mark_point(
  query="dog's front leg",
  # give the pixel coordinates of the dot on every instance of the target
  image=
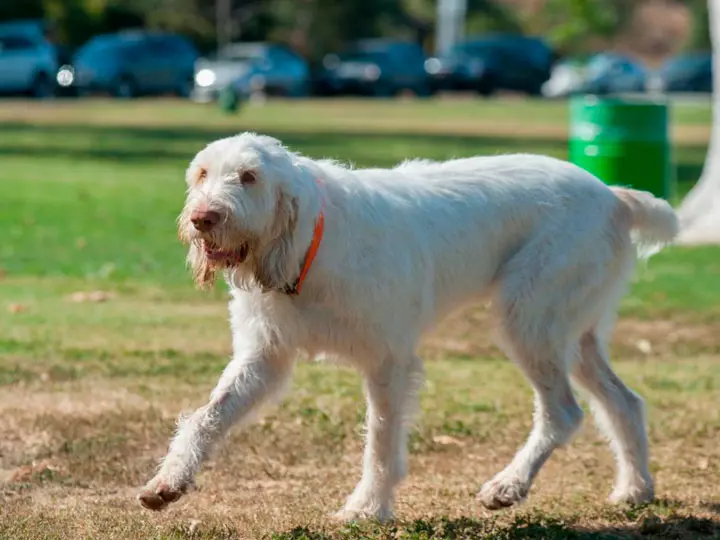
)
(246, 383)
(391, 392)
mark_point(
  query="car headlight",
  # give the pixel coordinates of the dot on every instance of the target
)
(205, 77)
(65, 76)
(433, 66)
(372, 72)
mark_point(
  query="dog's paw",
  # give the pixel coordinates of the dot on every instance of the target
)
(381, 515)
(502, 492)
(639, 494)
(158, 494)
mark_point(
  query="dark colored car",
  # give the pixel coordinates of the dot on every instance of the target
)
(130, 64)
(28, 59)
(375, 67)
(274, 68)
(611, 73)
(687, 73)
(492, 63)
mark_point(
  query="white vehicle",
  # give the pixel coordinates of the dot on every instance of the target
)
(28, 61)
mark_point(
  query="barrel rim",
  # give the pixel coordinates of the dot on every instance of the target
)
(592, 100)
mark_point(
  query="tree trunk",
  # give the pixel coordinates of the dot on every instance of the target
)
(700, 211)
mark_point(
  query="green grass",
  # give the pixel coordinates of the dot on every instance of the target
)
(89, 390)
(97, 201)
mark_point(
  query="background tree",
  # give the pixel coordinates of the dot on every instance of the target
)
(700, 211)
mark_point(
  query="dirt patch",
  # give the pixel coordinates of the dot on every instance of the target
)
(469, 332)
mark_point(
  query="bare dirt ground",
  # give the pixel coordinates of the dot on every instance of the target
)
(73, 451)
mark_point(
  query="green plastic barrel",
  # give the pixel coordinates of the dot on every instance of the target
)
(228, 100)
(623, 142)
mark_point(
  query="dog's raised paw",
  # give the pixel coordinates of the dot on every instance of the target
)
(158, 497)
(502, 492)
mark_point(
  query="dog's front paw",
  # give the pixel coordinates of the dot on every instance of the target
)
(381, 515)
(502, 492)
(639, 494)
(159, 493)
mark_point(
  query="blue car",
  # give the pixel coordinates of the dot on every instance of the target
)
(130, 64)
(271, 68)
(375, 67)
(612, 73)
(686, 73)
(494, 62)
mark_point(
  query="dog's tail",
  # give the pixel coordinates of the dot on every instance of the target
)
(654, 223)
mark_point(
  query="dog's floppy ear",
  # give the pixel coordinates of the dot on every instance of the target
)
(276, 264)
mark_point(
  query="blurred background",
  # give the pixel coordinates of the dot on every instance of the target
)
(379, 48)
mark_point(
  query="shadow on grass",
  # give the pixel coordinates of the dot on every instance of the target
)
(180, 143)
(646, 526)
(142, 144)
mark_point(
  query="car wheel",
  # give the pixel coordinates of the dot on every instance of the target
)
(486, 88)
(42, 86)
(185, 88)
(424, 90)
(124, 88)
(384, 89)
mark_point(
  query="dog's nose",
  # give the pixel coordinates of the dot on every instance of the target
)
(204, 220)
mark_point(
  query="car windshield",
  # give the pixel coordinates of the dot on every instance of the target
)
(98, 50)
(240, 53)
(600, 64)
(361, 56)
(469, 48)
(686, 63)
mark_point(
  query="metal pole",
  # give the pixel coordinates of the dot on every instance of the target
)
(223, 22)
(450, 25)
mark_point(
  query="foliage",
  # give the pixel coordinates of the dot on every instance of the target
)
(311, 26)
(571, 22)
(700, 39)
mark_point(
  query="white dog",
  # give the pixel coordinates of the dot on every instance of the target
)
(358, 264)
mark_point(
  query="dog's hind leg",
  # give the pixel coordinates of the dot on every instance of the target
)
(247, 382)
(619, 413)
(391, 390)
(544, 299)
(557, 416)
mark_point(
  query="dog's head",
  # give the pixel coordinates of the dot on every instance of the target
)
(241, 211)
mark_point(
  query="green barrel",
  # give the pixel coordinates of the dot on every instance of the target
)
(228, 100)
(623, 142)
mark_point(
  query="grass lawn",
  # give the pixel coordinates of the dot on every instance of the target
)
(89, 390)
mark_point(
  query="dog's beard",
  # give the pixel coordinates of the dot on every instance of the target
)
(209, 254)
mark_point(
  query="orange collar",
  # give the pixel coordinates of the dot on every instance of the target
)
(318, 232)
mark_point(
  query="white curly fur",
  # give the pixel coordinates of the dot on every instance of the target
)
(549, 244)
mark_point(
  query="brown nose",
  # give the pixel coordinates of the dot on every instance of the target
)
(204, 220)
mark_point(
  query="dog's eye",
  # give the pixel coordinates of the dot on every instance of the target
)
(248, 178)
(202, 175)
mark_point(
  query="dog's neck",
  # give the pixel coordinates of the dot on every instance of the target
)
(317, 237)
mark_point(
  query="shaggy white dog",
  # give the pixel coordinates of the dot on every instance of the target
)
(357, 264)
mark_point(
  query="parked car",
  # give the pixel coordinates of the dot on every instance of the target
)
(493, 62)
(612, 73)
(566, 78)
(375, 67)
(129, 64)
(686, 73)
(275, 69)
(28, 60)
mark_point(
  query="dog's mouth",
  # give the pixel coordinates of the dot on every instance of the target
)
(225, 257)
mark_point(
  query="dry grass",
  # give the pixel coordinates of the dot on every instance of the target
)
(455, 117)
(88, 414)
